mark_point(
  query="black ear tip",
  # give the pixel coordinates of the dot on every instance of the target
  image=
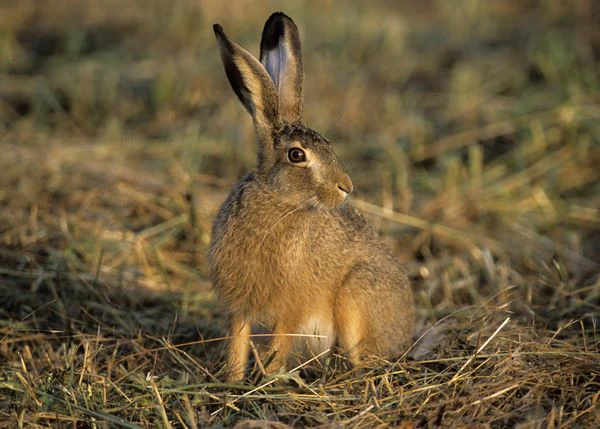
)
(279, 16)
(218, 29)
(275, 29)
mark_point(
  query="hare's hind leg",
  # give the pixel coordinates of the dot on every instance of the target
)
(356, 311)
(239, 348)
(350, 318)
(349, 329)
(374, 312)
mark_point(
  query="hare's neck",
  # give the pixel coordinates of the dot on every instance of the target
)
(273, 202)
(276, 207)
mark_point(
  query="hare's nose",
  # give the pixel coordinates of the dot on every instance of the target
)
(345, 184)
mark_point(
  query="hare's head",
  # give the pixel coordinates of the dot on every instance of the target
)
(293, 160)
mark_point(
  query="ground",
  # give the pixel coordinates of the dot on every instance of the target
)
(470, 130)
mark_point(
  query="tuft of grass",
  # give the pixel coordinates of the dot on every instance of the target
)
(471, 132)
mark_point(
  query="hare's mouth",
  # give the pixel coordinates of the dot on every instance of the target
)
(329, 200)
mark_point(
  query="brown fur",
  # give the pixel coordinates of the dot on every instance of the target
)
(288, 250)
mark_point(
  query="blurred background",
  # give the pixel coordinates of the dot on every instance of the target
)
(116, 118)
(471, 130)
(471, 127)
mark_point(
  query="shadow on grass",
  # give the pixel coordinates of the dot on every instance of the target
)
(55, 318)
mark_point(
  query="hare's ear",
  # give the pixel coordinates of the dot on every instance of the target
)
(251, 84)
(281, 55)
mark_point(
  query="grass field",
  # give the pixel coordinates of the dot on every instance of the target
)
(471, 130)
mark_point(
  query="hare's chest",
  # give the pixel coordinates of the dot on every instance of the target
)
(271, 247)
(259, 257)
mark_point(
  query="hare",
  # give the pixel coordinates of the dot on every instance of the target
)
(289, 250)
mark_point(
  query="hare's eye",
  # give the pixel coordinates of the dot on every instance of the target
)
(296, 155)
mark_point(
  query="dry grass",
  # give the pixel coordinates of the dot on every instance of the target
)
(470, 131)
